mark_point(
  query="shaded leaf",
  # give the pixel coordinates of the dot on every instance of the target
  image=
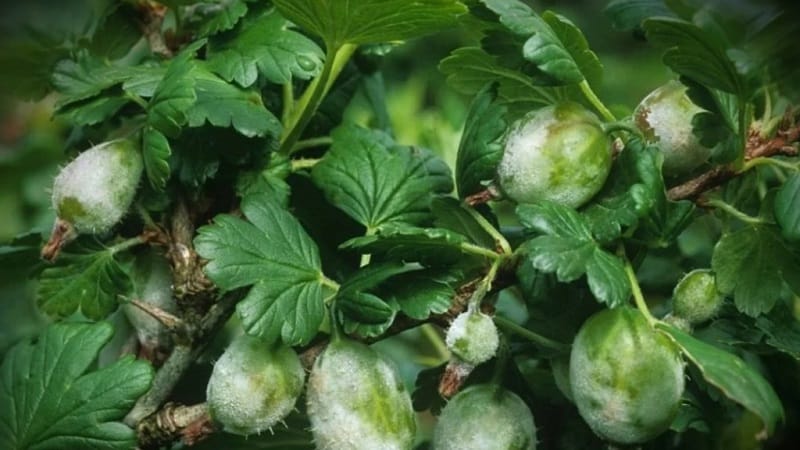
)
(156, 152)
(453, 215)
(787, 208)
(407, 243)
(627, 15)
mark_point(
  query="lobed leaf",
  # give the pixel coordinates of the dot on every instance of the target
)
(271, 252)
(377, 182)
(173, 96)
(627, 15)
(264, 44)
(787, 208)
(88, 280)
(51, 401)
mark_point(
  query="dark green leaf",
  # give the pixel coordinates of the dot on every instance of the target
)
(627, 15)
(274, 254)
(50, 402)
(551, 50)
(787, 208)
(156, 152)
(481, 144)
(224, 105)
(265, 44)
(264, 184)
(370, 21)
(716, 127)
(407, 243)
(567, 248)
(420, 294)
(369, 277)
(222, 15)
(365, 308)
(694, 53)
(84, 77)
(782, 331)
(470, 69)
(750, 265)
(453, 215)
(94, 110)
(732, 376)
(173, 96)
(22, 251)
(88, 281)
(377, 182)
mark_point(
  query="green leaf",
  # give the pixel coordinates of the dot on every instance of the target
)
(627, 15)
(264, 44)
(422, 293)
(787, 208)
(223, 15)
(470, 69)
(50, 402)
(552, 50)
(782, 331)
(694, 53)
(732, 376)
(481, 146)
(716, 127)
(84, 77)
(156, 152)
(224, 105)
(273, 253)
(88, 281)
(94, 110)
(568, 249)
(377, 182)
(750, 265)
(370, 21)
(365, 308)
(406, 243)
(22, 251)
(453, 215)
(369, 277)
(173, 96)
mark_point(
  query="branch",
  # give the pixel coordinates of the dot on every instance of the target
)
(757, 147)
(182, 358)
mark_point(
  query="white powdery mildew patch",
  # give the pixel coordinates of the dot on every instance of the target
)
(521, 163)
(340, 403)
(103, 179)
(248, 392)
(473, 337)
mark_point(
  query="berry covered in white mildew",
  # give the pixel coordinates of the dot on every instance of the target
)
(152, 281)
(627, 378)
(485, 417)
(254, 385)
(356, 400)
(665, 118)
(94, 191)
(557, 153)
(695, 297)
(472, 337)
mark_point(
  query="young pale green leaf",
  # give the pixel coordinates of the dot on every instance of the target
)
(787, 208)
(224, 105)
(88, 281)
(453, 215)
(406, 243)
(568, 249)
(737, 381)
(377, 182)
(156, 152)
(264, 44)
(694, 53)
(50, 402)
(627, 15)
(173, 95)
(751, 264)
(470, 69)
(560, 53)
(370, 21)
(272, 253)
(481, 145)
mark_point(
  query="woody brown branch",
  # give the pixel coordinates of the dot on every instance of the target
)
(757, 147)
